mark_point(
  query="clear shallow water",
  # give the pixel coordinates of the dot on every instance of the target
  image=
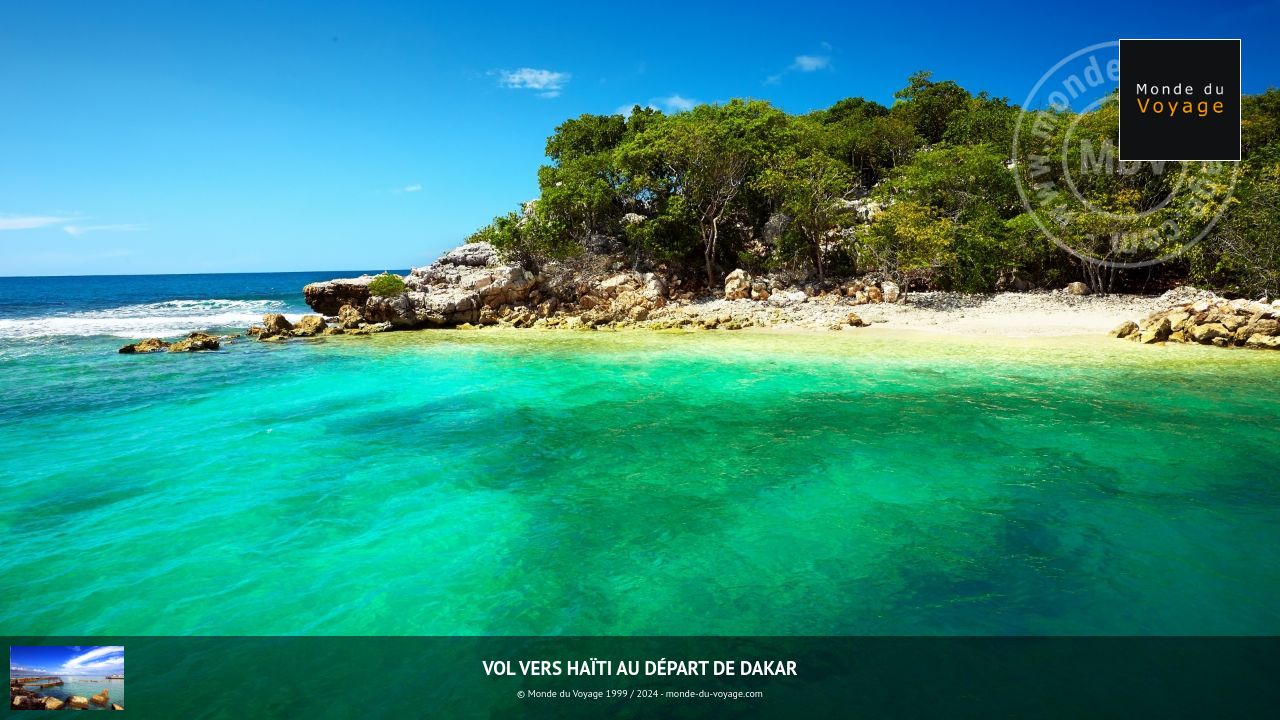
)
(87, 687)
(639, 483)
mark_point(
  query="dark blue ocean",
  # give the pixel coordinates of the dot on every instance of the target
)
(138, 306)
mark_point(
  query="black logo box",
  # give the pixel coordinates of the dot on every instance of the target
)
(1186, 68)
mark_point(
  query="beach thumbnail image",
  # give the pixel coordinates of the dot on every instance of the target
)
(66, 677)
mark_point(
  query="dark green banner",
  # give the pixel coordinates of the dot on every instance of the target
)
(683, 677)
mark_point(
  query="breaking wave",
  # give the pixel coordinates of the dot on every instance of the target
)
(161, 319)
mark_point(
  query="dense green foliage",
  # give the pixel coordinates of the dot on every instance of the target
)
(923, 191)
(386, 285)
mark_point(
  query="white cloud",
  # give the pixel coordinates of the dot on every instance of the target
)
(416, 187)
(804, 64)
(549, 83)
(105, 659)
(119, 227)
(811, 63)
(28, 222)
(676, 103)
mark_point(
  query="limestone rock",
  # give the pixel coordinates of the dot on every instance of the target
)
(311, 325)
(196, 342)
(784, 298)
(737, 285)
(52, 703)
(145, 346)
(655, 289)
(759, 291)
(1077, 288)
(477, 254)
(1156, 332)
(890, 290)
(875, 294)
(854, 321)
(1125, 329)
(474, 268)
(437, 306)
(78, 702)
(1207, 333)
(349, 317)
(328, 297)
(276, 324)
(370, 329)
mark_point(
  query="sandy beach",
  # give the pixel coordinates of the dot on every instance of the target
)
(1008, 315)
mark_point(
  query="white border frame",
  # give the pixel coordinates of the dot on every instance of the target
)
(1239, 103)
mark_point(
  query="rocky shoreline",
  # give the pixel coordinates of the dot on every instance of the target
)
(1209, 320)
(472, 287)
(20, 698)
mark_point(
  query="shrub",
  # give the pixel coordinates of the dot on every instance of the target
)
(386, 285)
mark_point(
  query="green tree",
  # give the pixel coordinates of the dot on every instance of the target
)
(810, 188)
(928, 105)
(985, 120)
(906, 238)
(530, 238)
(706, 157)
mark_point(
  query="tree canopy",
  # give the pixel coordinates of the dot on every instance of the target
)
(923, 189)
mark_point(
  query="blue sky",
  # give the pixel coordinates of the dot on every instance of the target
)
(74, 660)
(146, 137)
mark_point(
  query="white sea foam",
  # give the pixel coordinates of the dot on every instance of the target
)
(162, 319)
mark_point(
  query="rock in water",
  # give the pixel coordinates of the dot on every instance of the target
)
(1077, 288)
(310, 325)
(276, 324)
(328, 297)
(145, 346)
(737, 285)
(196, 342)
(78, 702)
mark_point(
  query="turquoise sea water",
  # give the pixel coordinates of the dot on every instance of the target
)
(528, 482)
